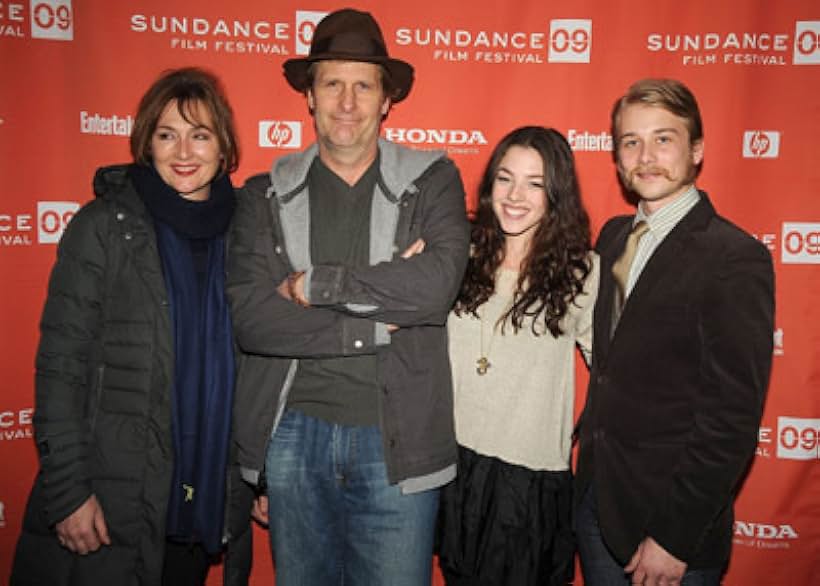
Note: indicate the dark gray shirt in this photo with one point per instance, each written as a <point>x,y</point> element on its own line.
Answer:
<point>341,390</point>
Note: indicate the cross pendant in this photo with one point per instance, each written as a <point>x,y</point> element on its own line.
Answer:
<point>483,365</point>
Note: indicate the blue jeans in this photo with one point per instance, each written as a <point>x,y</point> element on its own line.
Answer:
<point>334,519</point>
<point>600,568</point>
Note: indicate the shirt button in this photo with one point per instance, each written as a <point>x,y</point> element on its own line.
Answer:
<point>325,294</point>
<point>128,236</point>
<point>358,344</point>
<point>120,216</point>
<point>277,249</point>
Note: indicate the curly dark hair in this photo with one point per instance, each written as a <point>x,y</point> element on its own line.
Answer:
<point>557,264</point>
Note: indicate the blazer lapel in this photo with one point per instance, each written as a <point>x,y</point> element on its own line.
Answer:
<point>609,250</point>
<point>675,251</point>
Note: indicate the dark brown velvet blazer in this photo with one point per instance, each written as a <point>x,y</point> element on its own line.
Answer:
<point>676,391</point>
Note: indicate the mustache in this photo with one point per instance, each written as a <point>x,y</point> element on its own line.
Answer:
<point>653,170</point>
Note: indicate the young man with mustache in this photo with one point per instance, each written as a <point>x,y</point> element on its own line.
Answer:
<point>682,348</point>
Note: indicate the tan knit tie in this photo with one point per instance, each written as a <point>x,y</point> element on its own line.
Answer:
<point>620,269</point>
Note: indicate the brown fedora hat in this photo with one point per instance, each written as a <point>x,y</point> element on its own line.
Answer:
<point>350,35</point>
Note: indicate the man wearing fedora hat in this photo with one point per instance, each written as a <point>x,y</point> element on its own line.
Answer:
<point>345,261</point>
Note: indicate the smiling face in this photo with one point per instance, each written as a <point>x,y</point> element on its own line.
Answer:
<point>348,104</point>
<point>655,157</point>
<point>186,153</point>
<point>519,193</point>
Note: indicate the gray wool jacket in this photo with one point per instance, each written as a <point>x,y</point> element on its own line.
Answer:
<point>418,194</point>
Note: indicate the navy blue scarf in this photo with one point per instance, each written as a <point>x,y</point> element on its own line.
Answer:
<point>203,351</point>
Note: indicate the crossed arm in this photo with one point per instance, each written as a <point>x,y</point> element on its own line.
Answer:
<point>339,313</point>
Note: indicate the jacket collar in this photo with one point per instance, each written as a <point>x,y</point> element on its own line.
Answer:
<point>668,256</point>
<point>399,167</point>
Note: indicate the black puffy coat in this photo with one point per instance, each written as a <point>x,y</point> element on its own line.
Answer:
<point>102,419</point>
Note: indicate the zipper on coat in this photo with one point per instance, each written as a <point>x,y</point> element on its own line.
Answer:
<point>95,408</point>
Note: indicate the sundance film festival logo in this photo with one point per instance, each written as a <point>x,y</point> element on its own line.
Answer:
<point>798,438</point>
<point>764,441</point>
<point>761,144</point>
<point>280,134</point>
<point>801,243</point>
<point>767,239</point>
<point>306,21</point>
<point>570,41</point>
<point>220,35</point>
<point>730,48</point>
<point>807,42</point>
<point>16,425</point>
<point>50,19</point>
<point>476,45</point>
<point>51,220</point>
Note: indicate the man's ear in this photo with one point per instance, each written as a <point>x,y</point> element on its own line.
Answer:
<point>697,152</point>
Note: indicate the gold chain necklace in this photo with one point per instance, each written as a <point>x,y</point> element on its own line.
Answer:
<point>483,362</point>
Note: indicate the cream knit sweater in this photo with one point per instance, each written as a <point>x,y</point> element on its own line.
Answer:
<point>521,410</point>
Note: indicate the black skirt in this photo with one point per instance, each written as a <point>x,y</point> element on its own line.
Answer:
<point>505,525</point>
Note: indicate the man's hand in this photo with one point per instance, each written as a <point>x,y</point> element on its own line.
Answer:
<point>84,530</point>
<point>416,248</point>
<point>652,565</point>
<point>259,512</point>
<point>293,288</point>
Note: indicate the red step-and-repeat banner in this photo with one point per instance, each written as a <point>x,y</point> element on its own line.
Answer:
<point>72,71</point>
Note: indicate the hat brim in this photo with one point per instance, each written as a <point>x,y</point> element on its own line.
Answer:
<point>401,73</point>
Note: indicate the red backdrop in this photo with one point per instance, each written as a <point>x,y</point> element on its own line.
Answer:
<point>71,72</point>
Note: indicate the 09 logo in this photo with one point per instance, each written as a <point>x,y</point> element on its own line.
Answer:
<point>798,438</point>
<point>801,243</point>
<point>306,21</point>
<point>570,41</point>
<point>807,42</point>
<point>52,19</point>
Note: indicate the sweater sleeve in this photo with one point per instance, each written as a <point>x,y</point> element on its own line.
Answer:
<point>583,329</point>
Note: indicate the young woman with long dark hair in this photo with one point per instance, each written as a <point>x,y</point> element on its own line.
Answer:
<point>525,303</point>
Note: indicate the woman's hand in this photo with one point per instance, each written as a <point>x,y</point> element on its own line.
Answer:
<point>84,530</point>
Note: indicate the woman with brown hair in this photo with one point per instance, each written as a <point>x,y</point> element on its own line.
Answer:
<point>525,302</point>
<point>135,366</point>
